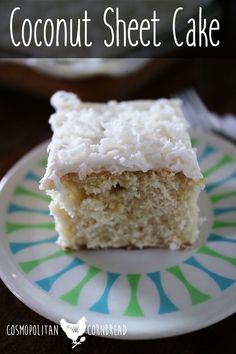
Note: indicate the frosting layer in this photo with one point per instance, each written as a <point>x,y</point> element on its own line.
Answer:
<point>118,137</point>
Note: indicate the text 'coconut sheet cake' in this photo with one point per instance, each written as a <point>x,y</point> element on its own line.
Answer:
<point>122,174</point>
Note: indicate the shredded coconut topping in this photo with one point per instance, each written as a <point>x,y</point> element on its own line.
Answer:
<point>118,137</point>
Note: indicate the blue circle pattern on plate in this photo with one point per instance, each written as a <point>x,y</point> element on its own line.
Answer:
<point>165,301</point>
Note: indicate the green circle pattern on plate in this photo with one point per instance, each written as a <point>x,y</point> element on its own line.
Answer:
<point>69,277</point>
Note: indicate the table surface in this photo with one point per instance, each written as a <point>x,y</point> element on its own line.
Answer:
<point>24,124</point>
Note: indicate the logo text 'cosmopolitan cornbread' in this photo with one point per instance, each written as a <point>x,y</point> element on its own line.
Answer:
<point>77,332</point>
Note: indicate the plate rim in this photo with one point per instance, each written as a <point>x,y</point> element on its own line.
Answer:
<point>137,333</point>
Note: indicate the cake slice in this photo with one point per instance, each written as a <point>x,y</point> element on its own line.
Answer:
<point>122,174</point>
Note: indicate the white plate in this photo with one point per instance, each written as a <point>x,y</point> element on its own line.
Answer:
<point>155,293</point>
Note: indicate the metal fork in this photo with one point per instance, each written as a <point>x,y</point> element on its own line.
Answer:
<point>200,117</point>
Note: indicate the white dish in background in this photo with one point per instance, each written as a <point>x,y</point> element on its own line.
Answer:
<point>69,68</point>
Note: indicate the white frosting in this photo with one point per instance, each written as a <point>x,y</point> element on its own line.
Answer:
<point>117,137</point>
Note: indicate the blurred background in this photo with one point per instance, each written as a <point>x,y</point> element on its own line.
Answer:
<point>25,93</point>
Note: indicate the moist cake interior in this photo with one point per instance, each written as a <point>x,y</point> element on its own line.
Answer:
<point>130,210</point>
